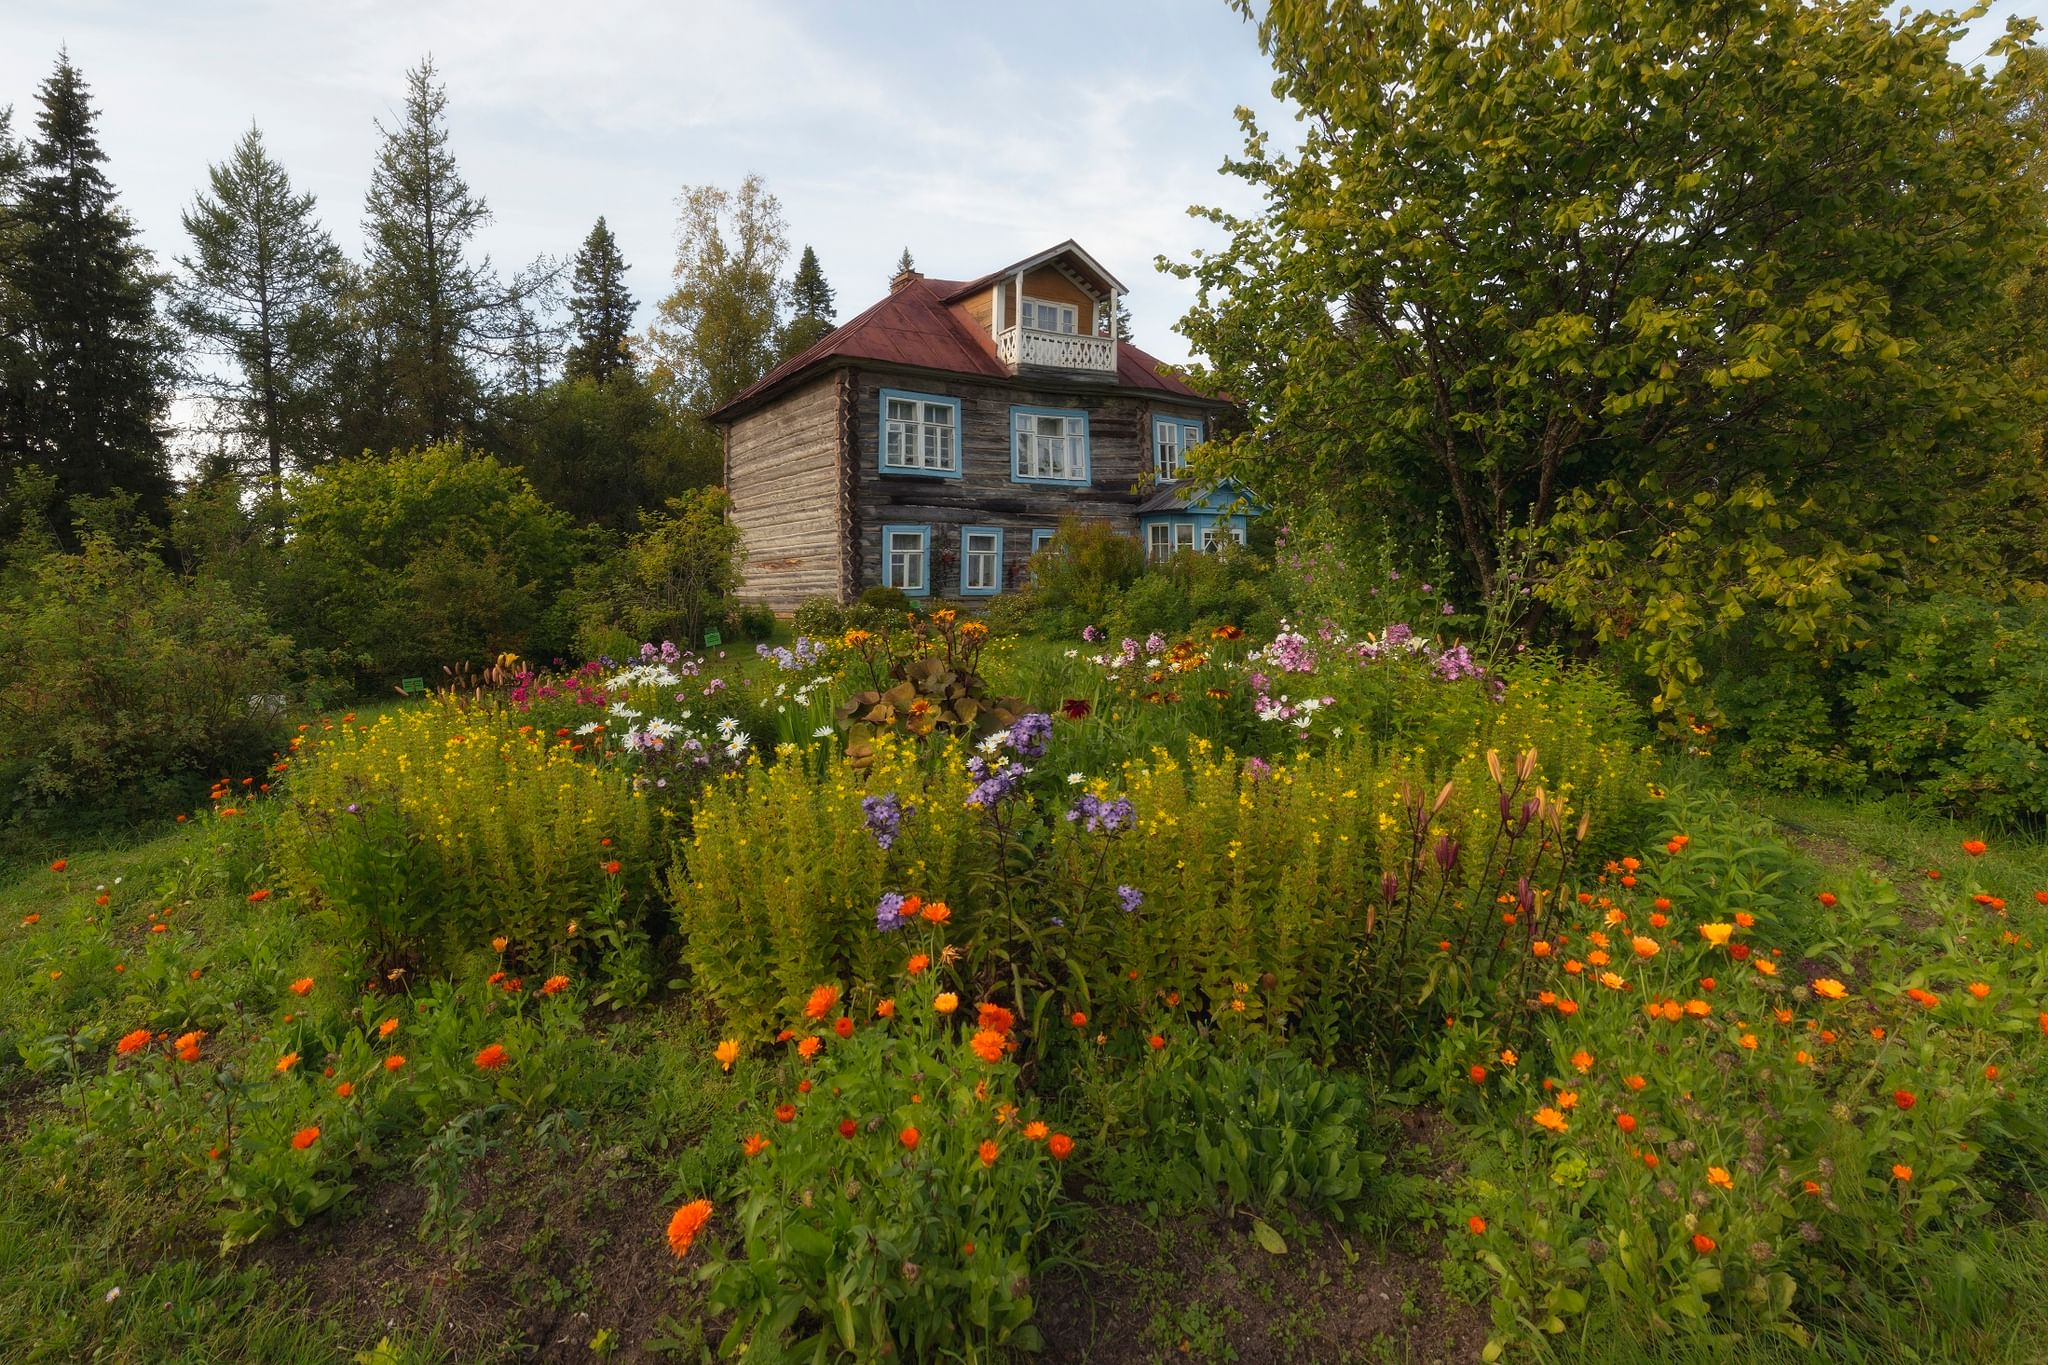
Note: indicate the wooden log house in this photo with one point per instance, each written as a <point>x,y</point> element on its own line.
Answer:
<point>934,442</point>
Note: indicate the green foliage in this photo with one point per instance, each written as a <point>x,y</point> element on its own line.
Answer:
<point>672,580</point>
<point>894,1208</point>
<point>442,827</point>
<point>119,679</point>
<point>715,333</point>
<point>1953,706</point>
<point>1208,1122</point>
<point>921,681</point>
<point>1596,273</point>
<point>1196,593</point>
<point>820,618</point>
<point>1078,576</point>
<point>811,307</point>
<point>1789,727</point>
<point>608,451</point>
<point>397,567</point>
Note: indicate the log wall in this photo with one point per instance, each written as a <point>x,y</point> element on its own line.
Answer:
<point>782,469</point>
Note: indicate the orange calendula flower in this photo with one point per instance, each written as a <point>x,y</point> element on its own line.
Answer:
<point>387,1028</point>
<point>305,1137</point>
<point>1613,981</point>
<point>821,1002</point>
<point>1827,988</point>
<point>1745,919</point>
<point>1078,1019</point>
<point>684,1225</point>
<point>1567,1099</point>
<point>843,1026</point>
<point>345,1089</point>
<point>1508,1057</point>
<point>917,964</point>
<point>946,1002</point>
<point>785,1113</point>
<point>1719,1176</point>
<point>394,1062</point>
<point>988,1045</point>
<point>885,1009</point>
<point>1766,966</point>
<point>1979,989</point>
<point>1702,1243</point>
<point>995,1017</point>
<point>554,985</point>
<point>1541,948</point>
<point>1582,1060</point>
<point>1975,847</point>
<point>1035,1131</point>
<point>727,1052</point>
<point>611,869</point>
<point>256,897</point>
<point>1625,1122</point>
<point>909,1137</point>
<point>287,1062</point>
<point>1567,1007</point>
<point>135,1042</point>
<point>498,943</point>
<point>1645,947</point>
<point>303,986</point>
<point>987,1152</point>
<point>1553,1119</point>
<point>938,912</point>
<point>492,1057</point>
<point>1060,1146</point>
<point>1901,1172</point>
<point>1635,1082</point>
<point>1476,1225</point>
<point>754,1145</point>
<point>1478,1074</point>
<point>808,1047</point>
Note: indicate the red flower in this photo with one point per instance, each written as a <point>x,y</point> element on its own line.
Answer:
<point>1060,1145</point>
<point>847,1128</point>
<point>611,869</point>
<point>1975,847</point>
<point>1702,1243</point>
<point>1075,708</point>
<point>784,1113</point>
<point>909,1138</point>
<point>843,1026</point>
<point>554,985</point>
<point>1156,1041</point>
<point>1476,1224</point>
<point>1827,898</point>
<point>492,1057</point>
<point>255,896</point>
<point>1905,1099</point>
<point>305,1138</point>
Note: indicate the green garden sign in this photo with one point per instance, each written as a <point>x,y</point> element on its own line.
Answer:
<point>712,639</point>
<point>413,687</point>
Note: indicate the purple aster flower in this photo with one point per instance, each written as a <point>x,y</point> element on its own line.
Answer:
<point>1030,734</point>
<point>889,912</point>
<point>1098,816</point>
<point>1131,897</point>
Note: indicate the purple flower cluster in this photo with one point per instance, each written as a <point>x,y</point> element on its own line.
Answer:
<point>1098,816</point>
<point>1290,654</point>
<point>1130,897</point>
<point>807,653</point>
<point>1455,663</point>
<point>995,781</point>
<point>884,816</point>
<point>1092,634</point>
<point>1029,736</point>
<point>889,912</point>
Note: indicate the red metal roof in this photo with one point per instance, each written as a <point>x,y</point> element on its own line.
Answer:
<point>913,327</point>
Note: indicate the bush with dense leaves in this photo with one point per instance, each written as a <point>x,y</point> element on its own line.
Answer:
<point>119,677</point>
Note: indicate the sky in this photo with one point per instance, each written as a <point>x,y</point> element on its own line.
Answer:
<point>975,134</point>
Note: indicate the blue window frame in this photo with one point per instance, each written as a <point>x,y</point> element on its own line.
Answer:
<point>1172,438</point>
<point>1040,537</point>
<point>981,561</point>
<point>920,434</point>
<point>1049,445</point>
<point>907,559</point>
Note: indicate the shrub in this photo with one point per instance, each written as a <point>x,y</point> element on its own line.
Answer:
<point>820,618</point>
<point>441,827</point>
<point>1078,575</point>
<point>1194,593</point>
<point>119,679</point>
<point>891,1203</point>
<point>880,606</point>
<point>674,576</point>
<point>754,621</point>
<point>396,566</point>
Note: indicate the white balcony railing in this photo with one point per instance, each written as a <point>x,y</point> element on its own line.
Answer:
<point>1028,348</point>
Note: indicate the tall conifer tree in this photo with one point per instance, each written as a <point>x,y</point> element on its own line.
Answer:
<point>600,309</point>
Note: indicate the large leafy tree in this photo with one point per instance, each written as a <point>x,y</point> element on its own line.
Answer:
<point>87,358</point>
<point>715,332</point>
<point>600,309</point>
<point>607,453</point>
<point>1695,292</point>
<point>259,292</point>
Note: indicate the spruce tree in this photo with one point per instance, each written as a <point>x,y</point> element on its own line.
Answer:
<point>811,306</point>
<point>260,292</point>
<point>419,219</point>
<point>904,263</point>
<point>600,309</point>
<point>81,302</point>
<point>16,370</point>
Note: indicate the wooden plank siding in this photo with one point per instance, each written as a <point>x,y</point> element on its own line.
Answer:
<point>1119,454</point>
<point>783,470</point>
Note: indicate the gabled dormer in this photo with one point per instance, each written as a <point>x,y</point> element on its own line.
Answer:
<point>1052,313</point>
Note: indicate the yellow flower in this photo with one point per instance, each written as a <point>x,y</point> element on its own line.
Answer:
<point>727,1053</point>
<point>1717,934</point>
<point>1551,1119</point>
<point>1827,988</point>
<point>946,1003</point>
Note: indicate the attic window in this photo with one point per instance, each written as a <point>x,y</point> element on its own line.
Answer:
<point>1040,316</point>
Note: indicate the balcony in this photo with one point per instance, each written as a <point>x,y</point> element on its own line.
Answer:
<point>1026,348</point>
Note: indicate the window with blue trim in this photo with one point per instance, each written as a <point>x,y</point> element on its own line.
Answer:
<point>920,434</point>
<point>1048,445</point>
<point>981,561</point>
<point>906,559</point>
<point>1039,539</point>
<point>1172,438</point>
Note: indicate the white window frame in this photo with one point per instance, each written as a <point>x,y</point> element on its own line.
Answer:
<point>1066,316</point>
<point>1214,536</point>
<point>981,570</point>
<point>918,558</point>
<point>1038,455</point>
<point>1172,439</point>
<point>923,440</point>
